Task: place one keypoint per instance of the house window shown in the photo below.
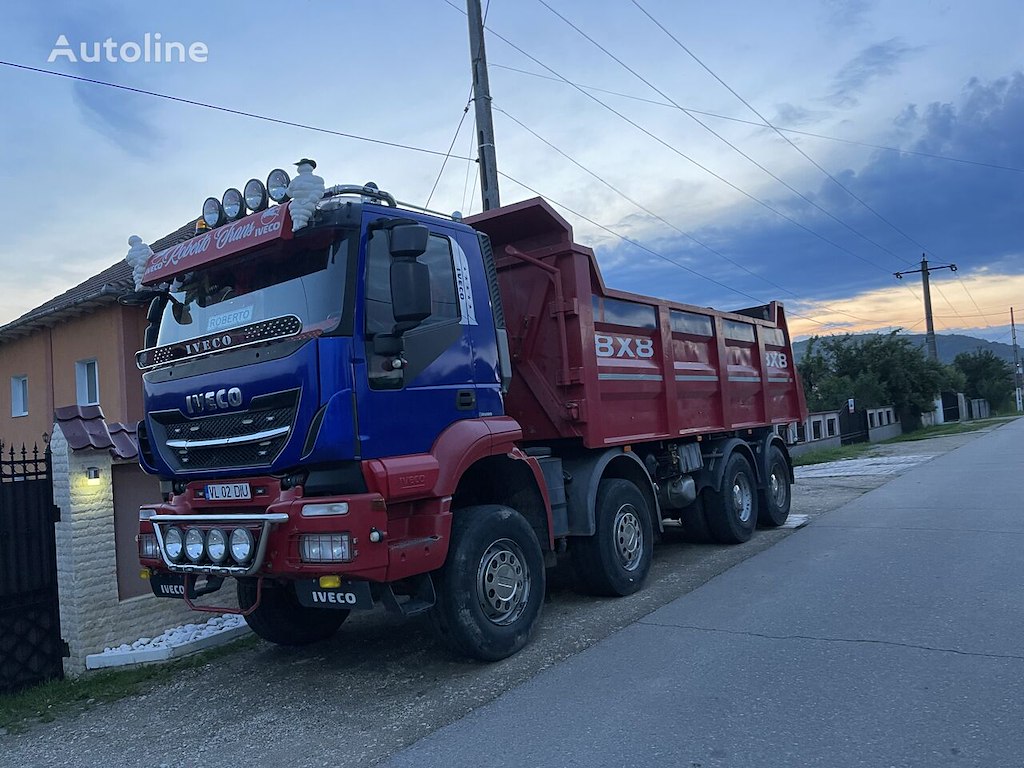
(19, 396)
(816, 429)
(87, 382)
(831, 427)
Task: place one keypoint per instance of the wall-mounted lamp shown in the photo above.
(92, 475)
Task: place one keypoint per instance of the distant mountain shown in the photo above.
(949, 345)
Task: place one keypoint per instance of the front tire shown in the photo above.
(775, 500)
(490, 590)
(281, 619)
(731, 512)
(616, 559)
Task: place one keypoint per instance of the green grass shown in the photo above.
(859, 449)
(953, 428)
(823, 455)
(48, 701)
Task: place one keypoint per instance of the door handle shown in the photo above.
(465, 399)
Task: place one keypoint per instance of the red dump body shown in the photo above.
(611, 367)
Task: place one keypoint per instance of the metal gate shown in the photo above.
(853, 427)
(950, 407)
(31, 649)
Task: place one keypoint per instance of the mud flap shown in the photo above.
(173, 585)
(351, 595)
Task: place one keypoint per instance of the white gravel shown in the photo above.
(174, 642)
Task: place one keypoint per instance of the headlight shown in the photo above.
(325, 548)
(217, 545)
(233, 205)
(194, 541)
(255, 195)
(277, 185)
(241, 545)
(213, 212)
(174, 543)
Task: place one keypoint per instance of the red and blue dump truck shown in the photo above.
(388, 406)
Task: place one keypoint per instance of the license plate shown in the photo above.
(228, 491)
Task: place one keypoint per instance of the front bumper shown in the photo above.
(274, 517)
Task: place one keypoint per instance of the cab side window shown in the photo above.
(380, 317)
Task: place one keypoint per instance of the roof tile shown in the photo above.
(84, 427)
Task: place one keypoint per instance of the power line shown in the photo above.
(765, 120)
(664, 221)
(451, 146)
(646, 249)
(785, 138)
(678, 152)
(228, 110)
(717, 135)
(757, 124)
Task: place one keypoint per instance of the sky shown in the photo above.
(719, 154)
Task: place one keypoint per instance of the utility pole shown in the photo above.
(925, 270)
(1016, 364)
(482, 100)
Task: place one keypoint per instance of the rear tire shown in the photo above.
(775, 500)
(731, 513)
(616, 559)
(281, 619)
(490, 590)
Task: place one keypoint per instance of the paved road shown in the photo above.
(889, 632)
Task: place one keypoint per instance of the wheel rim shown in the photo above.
(742, 497)
(778, 487)
(629, 537)
(503, 582)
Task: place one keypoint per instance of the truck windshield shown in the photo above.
(304, 277)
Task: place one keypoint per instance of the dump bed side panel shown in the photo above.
(612, 368)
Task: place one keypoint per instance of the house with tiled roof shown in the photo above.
(75, 349)
(68, 379)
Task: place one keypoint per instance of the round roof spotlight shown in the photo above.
(255, 195)
(277, 185)
(233, 204)
(213, 213)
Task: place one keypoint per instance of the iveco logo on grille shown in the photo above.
(217, 400)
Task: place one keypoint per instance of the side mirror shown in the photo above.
(408, 241)
(410, 293)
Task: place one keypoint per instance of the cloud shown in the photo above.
(846, 14)
(124, 118)
(875, 61)
(958, 212)
(790, 115)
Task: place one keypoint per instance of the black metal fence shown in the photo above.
(31, 649)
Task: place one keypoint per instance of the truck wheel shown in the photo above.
(281, 619)
(491, 588)
(731, 513)
(616, 559)
(775, 500)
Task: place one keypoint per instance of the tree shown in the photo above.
(986, 376)
(878, 371)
